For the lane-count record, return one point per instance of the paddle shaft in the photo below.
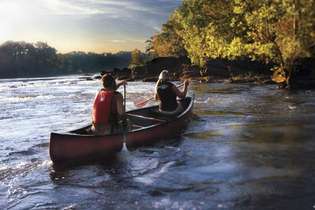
(125, 95)
(125, 126)
(143, 103)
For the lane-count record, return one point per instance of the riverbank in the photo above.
(239, 79)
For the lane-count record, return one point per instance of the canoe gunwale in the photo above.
(113, 143)
(189, 107)
(83, 135)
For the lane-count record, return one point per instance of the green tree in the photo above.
(21, 59)
(168, 42)
(273, 31)
(204, 28)
(279, 31)
(136, 59)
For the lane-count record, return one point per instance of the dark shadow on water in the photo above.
(116, 166)
(157, 145)
(60, 170)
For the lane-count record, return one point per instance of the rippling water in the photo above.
(247, 147)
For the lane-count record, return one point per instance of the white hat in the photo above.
(163, 75)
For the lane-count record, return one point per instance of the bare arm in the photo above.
(156, 96)
(120, 83)
(181, 94)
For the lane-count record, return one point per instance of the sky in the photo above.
(84, 25)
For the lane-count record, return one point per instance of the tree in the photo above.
(168, 42)
(136, 59)
(204, 28)
(21, 59)
(279, 31)
(273, 31)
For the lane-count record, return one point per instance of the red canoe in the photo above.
(150, 126)
(146, 126)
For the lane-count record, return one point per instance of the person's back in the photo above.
(107, 107)
(167, 93)
(167, 96)
(104, 113)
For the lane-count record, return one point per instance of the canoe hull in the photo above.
(153, 134)
(147, 128)
(70, 147)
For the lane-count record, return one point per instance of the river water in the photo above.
(247, 147)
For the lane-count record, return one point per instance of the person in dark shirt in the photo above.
(167, 93)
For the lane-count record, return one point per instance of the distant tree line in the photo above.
(22, 59)
(277, 32)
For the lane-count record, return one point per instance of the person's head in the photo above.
(109, 82)
(164, 75)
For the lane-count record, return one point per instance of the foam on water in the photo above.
(149, 178)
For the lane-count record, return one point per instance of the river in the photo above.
(247, 147)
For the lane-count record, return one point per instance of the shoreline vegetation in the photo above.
(22, 60)
(213, 41)
(278, 34)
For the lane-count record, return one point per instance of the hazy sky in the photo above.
(86, 25)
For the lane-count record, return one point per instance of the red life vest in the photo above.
(102, 107)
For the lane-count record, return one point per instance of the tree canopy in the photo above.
(272, 31)
(21, 59)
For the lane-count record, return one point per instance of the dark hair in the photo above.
(109, 81)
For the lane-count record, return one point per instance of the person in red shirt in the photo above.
(108, 108)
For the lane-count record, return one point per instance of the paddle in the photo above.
(143, 101)
(125, 123)
(125, 93)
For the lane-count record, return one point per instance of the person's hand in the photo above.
(121, 82)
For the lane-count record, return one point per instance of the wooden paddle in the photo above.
(125, 95)
(125, 124)
(143, 101)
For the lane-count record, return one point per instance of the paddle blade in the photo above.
(142, 102)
